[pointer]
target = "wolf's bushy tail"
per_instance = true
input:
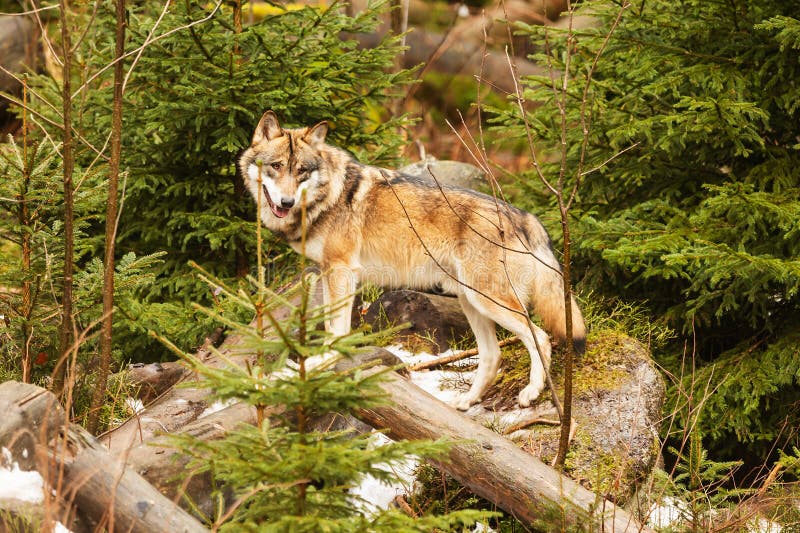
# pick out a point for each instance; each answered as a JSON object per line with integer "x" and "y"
{"x": 547, "y": 299}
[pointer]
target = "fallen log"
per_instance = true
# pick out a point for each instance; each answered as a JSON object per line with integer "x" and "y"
{"x": 31, "y": 415}
{"x": 153, "y": 379}
{"x": 485, "y": 462}
{"x": 165, "y": 466}
{"x": 84, "y": 473}
{"x": 177, "y": 407}
{"x": 492, "y": 466}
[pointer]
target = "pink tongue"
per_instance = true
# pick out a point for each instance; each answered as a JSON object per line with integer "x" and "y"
{"x": 279, "y": 211}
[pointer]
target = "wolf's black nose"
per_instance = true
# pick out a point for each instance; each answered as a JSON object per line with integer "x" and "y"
{"x": 287, "y": 202}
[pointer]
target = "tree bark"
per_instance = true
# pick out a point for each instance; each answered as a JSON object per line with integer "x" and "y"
{"x": 106, "y": 335}
{"x": 80, "y": 470}
{"x": 104, "y": 489}
{"x": 66, "y": 328}
{"x": 153, "y": 379}
{"x": 31, "y": 415}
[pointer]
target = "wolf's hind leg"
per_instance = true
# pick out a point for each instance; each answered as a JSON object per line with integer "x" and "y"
{"x": 538, "y": 371}
{"x": 518, "y": 323}
{"x": 488, "y": 354}
{"x": 521, "y": 327}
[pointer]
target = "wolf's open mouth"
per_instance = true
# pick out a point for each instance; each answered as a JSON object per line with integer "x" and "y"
{"x": 279, "y": 212}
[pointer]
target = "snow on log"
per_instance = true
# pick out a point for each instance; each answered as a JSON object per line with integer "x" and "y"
{"x": 86, "y": 474}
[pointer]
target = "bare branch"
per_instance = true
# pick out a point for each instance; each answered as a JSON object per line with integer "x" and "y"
{"x": 150, "y": 40}
{"x": 585, "y": 120}
{"x": 452, "y": 358}
{"x": 34, "y": 11}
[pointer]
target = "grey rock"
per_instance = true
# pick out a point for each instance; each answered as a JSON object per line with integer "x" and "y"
{"x": 617, "y": 408}
{"x": 15, "y": 39}
{"x": 452, "y": 173}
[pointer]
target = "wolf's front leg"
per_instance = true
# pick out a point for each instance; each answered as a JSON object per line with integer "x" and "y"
{"x": 339, "y": 284}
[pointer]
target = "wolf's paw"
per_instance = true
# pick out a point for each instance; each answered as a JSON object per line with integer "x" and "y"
{"x": 529, "y": 394}
{"x": 464, "y": 401}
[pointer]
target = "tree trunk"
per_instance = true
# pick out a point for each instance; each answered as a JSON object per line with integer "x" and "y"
{"x": 66, "y": 336}
{"x": 106, "y": 335}
{"x": 80, "y": 469}
{"x": 492, "y": 466}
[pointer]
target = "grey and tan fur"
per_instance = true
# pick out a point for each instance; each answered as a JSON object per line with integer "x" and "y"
{"x": 370, "y": 224}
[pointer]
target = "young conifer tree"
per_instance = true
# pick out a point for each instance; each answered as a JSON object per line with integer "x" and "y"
{"x": 194, "y": 99}
{"x": 198, "y": 77}
{"x": 689, "y": 194}
{"x": 30, "y": 258}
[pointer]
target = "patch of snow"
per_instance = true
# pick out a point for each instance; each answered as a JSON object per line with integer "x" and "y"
{"x": 218, "y": 405}
{"x": 27, "y": 486}
{"x": 438, "y": 383}
{"x": 61, "y": 528}
{"x": 441, "y": 383}
{"x": 375, "y": 494}
{"x": 762, "y": 525}
{"x": 666, "y": 513}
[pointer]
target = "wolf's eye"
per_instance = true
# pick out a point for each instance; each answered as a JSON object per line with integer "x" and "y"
{"x": 276, "y": 165}
{"x": 302, "y": 170}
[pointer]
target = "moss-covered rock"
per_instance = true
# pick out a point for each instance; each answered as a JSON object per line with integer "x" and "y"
{"x": 618, "y": 398}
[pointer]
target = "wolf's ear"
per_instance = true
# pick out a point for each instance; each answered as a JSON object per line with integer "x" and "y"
{"x": 316, "y": 133}
{"x": 268, "y": 128}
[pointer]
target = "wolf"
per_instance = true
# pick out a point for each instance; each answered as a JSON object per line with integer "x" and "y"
{"x": 368, "y": 224}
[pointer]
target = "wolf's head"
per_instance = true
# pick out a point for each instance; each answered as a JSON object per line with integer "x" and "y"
{"x": 291, "y": 167}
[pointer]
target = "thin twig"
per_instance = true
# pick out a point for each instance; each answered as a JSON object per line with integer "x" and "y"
{"x": 447, "y": 359}
{"x": 401, "y": 502}
{"x": 537, "y": 418}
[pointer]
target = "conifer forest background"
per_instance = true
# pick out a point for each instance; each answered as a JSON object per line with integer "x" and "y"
{"x": 671, "y": 131}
